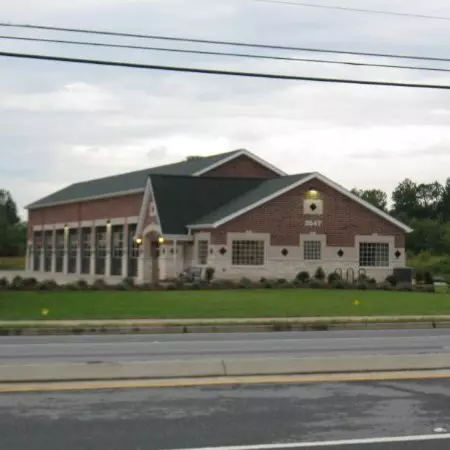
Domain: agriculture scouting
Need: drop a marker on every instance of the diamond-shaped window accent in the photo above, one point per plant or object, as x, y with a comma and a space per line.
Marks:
340, 253
284, 252
222, 251
313, 206
398, 254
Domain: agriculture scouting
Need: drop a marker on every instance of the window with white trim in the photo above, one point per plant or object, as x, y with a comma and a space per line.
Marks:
247, 253
373, 254
312, 250
202, 252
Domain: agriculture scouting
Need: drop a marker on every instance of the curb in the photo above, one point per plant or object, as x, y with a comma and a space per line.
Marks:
92, 329
232, 367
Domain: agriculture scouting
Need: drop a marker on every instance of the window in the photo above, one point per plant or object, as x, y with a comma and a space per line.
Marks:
117, 242
373, 254
202, 252
312, 250
247, 253
101, 243
86, 242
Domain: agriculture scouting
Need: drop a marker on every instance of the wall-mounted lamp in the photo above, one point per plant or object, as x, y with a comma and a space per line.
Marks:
160, 240
108, 223
312, 193
66, 227
138, 240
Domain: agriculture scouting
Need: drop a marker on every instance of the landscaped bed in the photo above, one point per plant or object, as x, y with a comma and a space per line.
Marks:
60, 304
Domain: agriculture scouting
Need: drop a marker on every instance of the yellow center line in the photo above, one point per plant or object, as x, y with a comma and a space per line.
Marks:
148, 384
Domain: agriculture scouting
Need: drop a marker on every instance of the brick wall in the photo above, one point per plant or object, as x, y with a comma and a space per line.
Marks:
244, 167
283, 218
109, 208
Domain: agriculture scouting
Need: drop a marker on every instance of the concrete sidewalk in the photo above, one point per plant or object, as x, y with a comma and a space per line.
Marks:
220, 325
227, 321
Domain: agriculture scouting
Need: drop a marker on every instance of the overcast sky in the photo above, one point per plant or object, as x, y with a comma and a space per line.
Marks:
62, 123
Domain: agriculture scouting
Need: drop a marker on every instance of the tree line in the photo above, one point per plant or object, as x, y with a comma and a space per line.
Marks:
13, 231
425, 207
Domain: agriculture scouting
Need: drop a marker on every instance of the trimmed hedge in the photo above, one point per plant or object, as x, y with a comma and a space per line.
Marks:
128, 284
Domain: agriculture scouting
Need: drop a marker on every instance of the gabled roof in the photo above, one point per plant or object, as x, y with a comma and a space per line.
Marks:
273, 188
184, 199
134, 182
247, 201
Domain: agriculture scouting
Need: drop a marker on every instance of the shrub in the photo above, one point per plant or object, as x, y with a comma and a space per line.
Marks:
82, 285
171, 287
333, 277
245, 283
302, 277
16, 283
419, 276
340, 284
224, 284
428, 277
319, 274
72, 286
281, 281
315, 284
209, 274
268, 285
362, 286
424, 288
47, 285
262, 280
30, 282
385, 286
129, 282
404, 287
391, 279
4, 283
196, 286
99, 284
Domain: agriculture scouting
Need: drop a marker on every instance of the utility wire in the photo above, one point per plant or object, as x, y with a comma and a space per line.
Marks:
240, 55
219, 42
360, 10
220, 72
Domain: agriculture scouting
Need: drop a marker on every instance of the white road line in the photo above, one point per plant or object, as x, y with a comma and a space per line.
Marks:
385, 440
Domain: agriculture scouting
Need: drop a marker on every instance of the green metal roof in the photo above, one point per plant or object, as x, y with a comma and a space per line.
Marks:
131, 181
181, 200
259, 192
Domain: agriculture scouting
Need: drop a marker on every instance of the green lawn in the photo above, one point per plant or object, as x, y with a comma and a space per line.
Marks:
12, 263
16, 305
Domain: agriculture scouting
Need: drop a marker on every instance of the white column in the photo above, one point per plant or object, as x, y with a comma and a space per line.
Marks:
141, 263
29, 256
108, 251
79, 246
66, 252
92, 265
175, 268
42, 255
126, 243
53, 265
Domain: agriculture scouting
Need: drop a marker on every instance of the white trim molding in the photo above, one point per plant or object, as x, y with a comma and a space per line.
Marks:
312, 176
237, 154
149, 193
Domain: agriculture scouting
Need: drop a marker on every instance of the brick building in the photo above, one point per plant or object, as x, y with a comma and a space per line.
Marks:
233, 211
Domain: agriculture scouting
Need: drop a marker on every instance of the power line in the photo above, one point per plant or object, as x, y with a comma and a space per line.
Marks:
220, 42
360, 10
204, 52
221, 72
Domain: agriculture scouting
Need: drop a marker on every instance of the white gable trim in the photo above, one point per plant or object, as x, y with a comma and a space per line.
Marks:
148, 193
313, 176
235, 155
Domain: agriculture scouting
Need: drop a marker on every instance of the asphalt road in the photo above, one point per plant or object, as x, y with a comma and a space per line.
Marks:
193, 418
189, 346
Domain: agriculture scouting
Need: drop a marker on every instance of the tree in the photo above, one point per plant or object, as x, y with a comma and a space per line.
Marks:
405, 200
12, 230
375, 197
